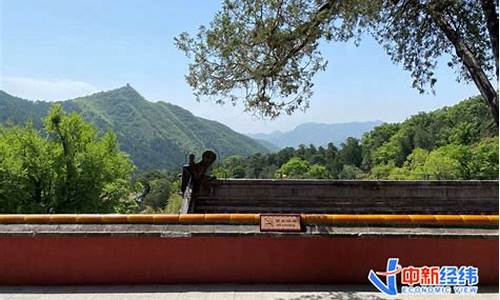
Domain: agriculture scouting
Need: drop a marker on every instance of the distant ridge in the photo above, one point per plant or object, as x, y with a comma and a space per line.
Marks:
157, 135
318, 134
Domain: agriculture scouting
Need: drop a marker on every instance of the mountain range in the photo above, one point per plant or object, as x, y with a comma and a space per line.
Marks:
156, 135
318, 134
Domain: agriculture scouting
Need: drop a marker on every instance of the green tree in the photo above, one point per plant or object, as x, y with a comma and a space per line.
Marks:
374, 139
269, 171
270, 48
414, 165
221, 172
484, 161
73, 170
351, 152
400, 174
381, 171
256, 165
234, 165
175, 200
26, 171
441, 168
317, 171
159, 193
447, 162
412, 168
464, 133
296, 167
350, 172
92, 175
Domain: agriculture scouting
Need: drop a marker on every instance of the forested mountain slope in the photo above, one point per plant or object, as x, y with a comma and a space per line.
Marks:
156, 135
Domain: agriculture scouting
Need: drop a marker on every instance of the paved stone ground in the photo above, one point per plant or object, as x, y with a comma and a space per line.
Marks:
216, 292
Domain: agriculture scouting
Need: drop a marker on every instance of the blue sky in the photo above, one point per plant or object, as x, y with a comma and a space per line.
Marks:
59, 49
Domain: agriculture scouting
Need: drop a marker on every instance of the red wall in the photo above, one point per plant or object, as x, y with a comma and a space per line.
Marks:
243, 259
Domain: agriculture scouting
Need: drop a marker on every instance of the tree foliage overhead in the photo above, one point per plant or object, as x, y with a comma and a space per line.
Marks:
267, 51
413, 33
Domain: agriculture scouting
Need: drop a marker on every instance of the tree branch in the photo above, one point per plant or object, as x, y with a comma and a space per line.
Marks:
472, 64
307, 29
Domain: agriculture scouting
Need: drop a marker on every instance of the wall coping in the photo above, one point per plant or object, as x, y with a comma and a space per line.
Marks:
235, 181
184, 231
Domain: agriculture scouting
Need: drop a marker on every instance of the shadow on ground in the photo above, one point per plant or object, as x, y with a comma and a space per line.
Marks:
214, 291
346, 295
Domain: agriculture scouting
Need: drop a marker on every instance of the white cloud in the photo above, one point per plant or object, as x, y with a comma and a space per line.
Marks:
45, 89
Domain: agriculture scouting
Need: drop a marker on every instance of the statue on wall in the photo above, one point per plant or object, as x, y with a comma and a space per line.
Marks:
193, 177
194, 173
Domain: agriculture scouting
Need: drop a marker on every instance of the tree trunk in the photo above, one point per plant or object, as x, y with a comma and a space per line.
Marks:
491, 16
489, 93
